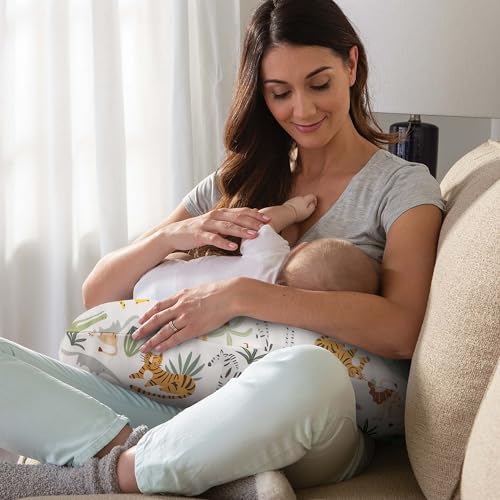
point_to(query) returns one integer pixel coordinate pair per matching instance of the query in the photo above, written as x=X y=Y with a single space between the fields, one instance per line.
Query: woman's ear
x=353 y=64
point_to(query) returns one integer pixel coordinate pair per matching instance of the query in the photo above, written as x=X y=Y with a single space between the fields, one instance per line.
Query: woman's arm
x=116 y=274
x=386 y=325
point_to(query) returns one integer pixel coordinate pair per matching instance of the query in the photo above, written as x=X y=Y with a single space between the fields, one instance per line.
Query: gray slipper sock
x=94 y=477
x=272 y=485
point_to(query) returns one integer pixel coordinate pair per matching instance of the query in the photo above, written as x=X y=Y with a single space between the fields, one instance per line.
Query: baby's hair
x=331 y=264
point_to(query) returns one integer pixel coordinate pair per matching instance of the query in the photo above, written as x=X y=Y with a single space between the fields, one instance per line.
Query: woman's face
x=306 y=88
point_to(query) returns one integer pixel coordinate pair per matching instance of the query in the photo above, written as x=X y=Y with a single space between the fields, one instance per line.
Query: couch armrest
x=480 y=475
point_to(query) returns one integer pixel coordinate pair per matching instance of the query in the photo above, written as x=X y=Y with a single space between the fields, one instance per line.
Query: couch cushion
x=458 y=345
x=482 y=458
x=120 y=496
x=389 y=476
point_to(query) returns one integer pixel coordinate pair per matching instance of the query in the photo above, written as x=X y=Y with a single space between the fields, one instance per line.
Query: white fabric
x=261 y=258
x=111 y=110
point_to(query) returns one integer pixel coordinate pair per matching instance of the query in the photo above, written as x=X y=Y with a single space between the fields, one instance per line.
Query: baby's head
x=330 y=264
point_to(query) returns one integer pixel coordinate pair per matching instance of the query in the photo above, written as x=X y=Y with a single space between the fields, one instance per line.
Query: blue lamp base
x=419 y=142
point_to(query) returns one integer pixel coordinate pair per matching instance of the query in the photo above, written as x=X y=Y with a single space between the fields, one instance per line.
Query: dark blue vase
x=419 y=142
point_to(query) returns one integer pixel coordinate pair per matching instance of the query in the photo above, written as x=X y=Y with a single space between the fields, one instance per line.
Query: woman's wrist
x=165 y=240
x=238 y=290
x=245 y=296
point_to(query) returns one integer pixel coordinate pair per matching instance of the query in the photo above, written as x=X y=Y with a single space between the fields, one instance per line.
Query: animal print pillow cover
x=100 y=341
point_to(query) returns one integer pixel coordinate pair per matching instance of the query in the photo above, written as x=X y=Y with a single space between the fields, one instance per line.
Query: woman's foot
x=94 y=477
x=271 y=485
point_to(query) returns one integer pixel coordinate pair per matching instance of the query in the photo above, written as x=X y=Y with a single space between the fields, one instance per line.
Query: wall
x=457 y=135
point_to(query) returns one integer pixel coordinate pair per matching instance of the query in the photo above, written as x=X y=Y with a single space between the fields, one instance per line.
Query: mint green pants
x=293 y=410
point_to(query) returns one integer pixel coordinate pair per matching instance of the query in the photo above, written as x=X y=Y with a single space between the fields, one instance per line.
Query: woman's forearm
x=368 y=321
x=115 y=275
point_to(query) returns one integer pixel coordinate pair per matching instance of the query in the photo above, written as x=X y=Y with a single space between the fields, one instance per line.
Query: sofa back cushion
x=480 y=476
x=458 y=346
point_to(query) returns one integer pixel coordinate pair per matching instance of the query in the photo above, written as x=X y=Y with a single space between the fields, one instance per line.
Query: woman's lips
x=306 y=129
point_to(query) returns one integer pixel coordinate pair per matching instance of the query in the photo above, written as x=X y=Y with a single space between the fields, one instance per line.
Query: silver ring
x=172 y=325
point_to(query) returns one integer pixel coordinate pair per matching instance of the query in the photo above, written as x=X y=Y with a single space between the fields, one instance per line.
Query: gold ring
x=172 y=325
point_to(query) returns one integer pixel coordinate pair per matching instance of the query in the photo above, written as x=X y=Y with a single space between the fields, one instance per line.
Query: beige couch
x=452 y=417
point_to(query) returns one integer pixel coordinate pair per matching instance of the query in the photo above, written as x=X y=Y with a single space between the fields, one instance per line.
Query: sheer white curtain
x=110 y=110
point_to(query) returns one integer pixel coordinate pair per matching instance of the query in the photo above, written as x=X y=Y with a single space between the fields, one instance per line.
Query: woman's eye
x=280 y=95
x=323 y=86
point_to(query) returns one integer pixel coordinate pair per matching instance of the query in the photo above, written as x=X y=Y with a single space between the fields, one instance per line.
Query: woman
x=302 y=84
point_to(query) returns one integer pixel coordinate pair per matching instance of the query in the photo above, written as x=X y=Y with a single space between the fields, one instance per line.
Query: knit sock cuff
x=135 y=436
x=108 y=465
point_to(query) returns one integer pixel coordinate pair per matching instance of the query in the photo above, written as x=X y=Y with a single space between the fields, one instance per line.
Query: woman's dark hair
x=256 y=169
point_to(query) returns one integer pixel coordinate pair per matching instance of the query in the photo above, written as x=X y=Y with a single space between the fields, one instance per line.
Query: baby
x=329 y=264
x=325 y=264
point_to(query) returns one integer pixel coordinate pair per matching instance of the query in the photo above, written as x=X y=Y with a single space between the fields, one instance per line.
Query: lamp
x=430 y=57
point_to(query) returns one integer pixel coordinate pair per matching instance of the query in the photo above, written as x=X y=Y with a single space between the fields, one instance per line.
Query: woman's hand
x=188 y=314
x=210 y=228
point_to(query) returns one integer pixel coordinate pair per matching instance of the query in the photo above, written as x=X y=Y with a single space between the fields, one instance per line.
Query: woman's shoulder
x=203 y=196
x=385 y=165
x=386 y=173
x=399 y=185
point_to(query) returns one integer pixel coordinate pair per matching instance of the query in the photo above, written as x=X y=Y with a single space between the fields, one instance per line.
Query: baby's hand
x=304 y=206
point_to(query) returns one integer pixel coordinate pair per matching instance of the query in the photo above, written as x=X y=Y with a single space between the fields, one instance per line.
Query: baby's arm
x=293 y=210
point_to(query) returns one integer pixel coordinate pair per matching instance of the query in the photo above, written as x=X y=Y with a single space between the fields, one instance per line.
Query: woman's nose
x=303 y=107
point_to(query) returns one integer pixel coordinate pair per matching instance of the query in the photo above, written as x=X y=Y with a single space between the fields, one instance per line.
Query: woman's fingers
x=226 y=228
x=212 y=228
x=216 y=240
x=154 y=318
x=165 y=322
x=163 y=335
x=252 y=213
x=249 y=218
x=241 y=223
x=174 y=339
x=188 y=314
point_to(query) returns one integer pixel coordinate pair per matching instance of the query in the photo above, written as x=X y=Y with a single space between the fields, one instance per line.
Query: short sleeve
x=408 y=187
x=202 y=197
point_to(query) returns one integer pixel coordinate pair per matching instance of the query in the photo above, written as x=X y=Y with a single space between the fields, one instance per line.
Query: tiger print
x=345 y=356
x=379 y=395
x=177 y=385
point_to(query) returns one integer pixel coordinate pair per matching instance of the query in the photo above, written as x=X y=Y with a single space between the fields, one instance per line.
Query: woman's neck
x=345 y=154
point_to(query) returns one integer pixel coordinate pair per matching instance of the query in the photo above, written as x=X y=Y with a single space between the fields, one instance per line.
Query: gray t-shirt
x=386 y=187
